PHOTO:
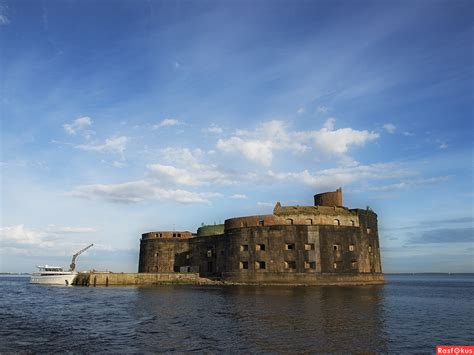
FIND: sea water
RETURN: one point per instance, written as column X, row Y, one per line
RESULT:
column 410, row 313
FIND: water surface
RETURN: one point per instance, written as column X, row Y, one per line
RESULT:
column 408, row 314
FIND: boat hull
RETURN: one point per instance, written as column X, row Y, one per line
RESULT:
column 64, row 280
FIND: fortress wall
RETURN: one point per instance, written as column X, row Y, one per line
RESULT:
column 331, row 216
column 340, row 248
column 287, row 248
column 163, row 254
column 210, row 230
column 208, row 255
column 329, row 198
column 167, row 234
column 249, row 221
column 370, row 248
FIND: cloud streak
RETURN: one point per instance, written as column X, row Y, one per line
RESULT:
column 115, row 145
column 444, row 235
column 77, row 125
column 341, row 176
column 390, row 128
column 138, row 191
column 167, row 122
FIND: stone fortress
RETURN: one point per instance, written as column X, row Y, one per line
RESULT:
column 321, row 244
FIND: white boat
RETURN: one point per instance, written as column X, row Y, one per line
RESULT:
column 55, row 275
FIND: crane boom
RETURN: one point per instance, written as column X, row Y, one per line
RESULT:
column 73, row 262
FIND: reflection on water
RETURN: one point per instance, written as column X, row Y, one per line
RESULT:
column 265, row 319
column 403, row 315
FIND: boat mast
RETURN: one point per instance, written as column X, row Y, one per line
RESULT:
column 72, row 267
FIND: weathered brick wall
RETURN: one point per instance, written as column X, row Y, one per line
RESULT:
column 298, row 215
column 329, row 198
column 167, row 234
column 163, row 254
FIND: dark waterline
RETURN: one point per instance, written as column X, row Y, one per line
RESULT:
column 411, row 313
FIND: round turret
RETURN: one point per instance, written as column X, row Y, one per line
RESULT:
column 332, row 199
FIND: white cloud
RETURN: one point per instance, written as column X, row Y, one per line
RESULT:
column 4, row 20
column 255, row 150
column 258, row 146
column 337, row 141
column 77, row 125
column 322, row 109
column 443, row 146
column 265, row 204
column 239, row 197
column 20, row 239
column 188, row 169
column 179, row 176
column 182, row 156
column 408, row 134
column 185, row 167
column 138, row 191
column 213, row 128
column 300, row 111
column 18, row 235
column 111, row 145
column 167, row 122
column 390, row 128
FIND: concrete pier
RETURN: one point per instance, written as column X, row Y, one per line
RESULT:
column 137, row 279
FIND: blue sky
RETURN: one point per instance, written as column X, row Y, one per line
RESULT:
column 123, row 117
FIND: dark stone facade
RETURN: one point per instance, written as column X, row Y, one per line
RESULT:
column 304, row 245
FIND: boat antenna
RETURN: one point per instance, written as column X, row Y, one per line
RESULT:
column 72, row 267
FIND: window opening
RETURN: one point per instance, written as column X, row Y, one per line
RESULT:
column 289, row 246
column 260, row 247
column 244, row 265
